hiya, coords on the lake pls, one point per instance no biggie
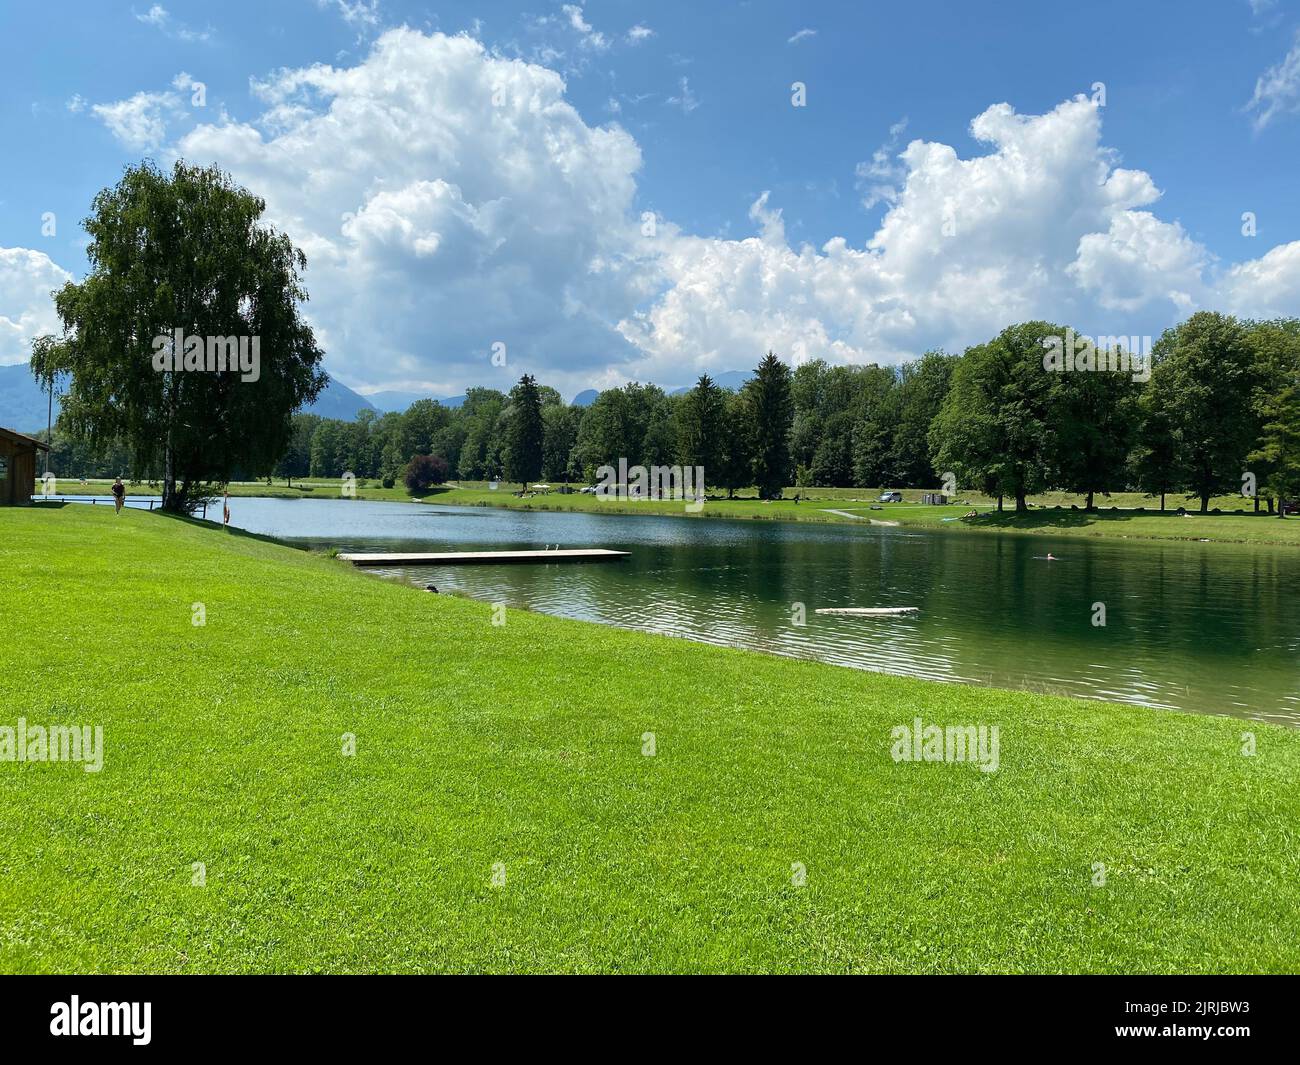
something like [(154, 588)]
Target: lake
[(1211, 628)]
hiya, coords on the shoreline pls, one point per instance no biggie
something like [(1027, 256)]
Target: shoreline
[(1245, 529)]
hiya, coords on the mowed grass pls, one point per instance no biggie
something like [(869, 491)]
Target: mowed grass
[(523, 745)]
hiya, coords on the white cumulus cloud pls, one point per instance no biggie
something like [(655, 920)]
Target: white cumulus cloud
[(140, 122), (449, 198), (1267, 287), (1043, 225), (446, 199), (27, 278)]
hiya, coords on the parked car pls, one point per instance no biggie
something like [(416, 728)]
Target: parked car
[(590, 490), (890, 497)]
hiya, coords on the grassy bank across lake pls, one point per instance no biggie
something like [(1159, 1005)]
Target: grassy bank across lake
[(1057, 519), (1129, 515), (553, 795)]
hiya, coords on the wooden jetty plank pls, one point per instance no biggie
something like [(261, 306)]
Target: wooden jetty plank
[(480, 558)]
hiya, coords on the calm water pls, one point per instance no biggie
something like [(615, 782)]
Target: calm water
[(1204, 627)]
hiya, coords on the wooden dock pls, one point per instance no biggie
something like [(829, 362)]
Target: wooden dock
[(486, 558)]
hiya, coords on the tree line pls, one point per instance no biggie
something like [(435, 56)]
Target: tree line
[(1220, 414)]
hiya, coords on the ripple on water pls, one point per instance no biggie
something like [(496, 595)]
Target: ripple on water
[(1209, 628)]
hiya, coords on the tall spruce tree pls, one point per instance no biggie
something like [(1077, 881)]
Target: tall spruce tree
[(772, 409), (525, 432), (700, 426)]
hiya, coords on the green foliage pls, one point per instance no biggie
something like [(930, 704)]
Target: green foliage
[(480, 455), (659, 445), (296, 460), (1156, 464), (833, 461), (876, 405), (1093, 418), (1276, 350), (1208, 382), (772, 410), (736, 459), (922, 386), (559, 435), (618, 425), (1090, 432), (995, 429), (522, 454), (996, 417), (1278, 453), (183, 251), (700, 436)]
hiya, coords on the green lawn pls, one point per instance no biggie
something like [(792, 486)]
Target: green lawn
[(522, 745)]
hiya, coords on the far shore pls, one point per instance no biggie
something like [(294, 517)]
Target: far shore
[(1120, 516)]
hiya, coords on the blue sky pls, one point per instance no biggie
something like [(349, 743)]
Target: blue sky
[(437, 222)]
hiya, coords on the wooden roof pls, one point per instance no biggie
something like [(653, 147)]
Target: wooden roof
[(21, 438)]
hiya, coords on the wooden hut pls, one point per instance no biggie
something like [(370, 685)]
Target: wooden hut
[(17, 467)]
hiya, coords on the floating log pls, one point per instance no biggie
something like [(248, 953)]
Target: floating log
[(869, 611), (482, 558)]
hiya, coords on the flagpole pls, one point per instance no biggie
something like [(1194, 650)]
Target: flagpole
[(49, 422)]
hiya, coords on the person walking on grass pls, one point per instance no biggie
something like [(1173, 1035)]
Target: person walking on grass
[(119, 494)]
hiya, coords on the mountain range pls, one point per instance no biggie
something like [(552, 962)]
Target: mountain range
[(23, 406)]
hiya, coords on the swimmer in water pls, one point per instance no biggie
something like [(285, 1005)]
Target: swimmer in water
[(1052, 558)]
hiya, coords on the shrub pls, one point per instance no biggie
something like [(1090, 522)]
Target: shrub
[(388, 481), (424, 471)]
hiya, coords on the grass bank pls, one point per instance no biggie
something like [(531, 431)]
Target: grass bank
[(520, 748), (1053, 515)]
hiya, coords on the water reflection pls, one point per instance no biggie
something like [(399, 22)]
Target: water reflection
[(1206, 627)]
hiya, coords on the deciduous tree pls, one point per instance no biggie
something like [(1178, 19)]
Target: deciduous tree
[(184, 251)]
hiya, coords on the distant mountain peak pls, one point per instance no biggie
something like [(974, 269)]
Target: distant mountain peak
[(23, 404), (733, 380)]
